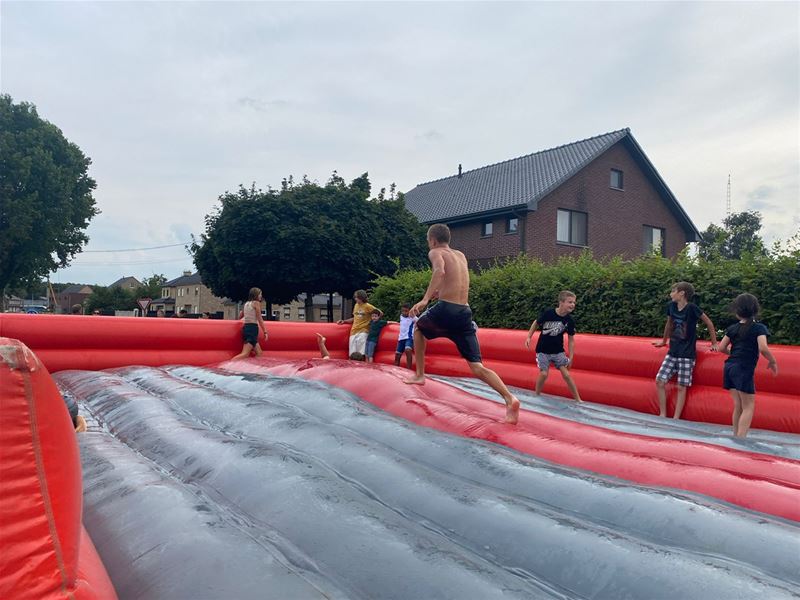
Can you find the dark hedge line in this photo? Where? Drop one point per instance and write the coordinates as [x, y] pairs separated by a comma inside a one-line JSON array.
[[619, 297]]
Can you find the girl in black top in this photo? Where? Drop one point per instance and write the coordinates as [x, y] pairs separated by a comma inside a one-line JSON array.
[[744, 341]]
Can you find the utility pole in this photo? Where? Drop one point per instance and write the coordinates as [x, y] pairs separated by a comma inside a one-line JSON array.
[[728, 199]]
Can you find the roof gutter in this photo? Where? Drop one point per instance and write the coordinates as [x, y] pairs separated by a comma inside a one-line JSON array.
[[479, 216]]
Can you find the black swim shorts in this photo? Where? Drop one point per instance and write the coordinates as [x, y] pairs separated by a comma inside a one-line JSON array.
[[453, 321], [738, 377], [250, 333]]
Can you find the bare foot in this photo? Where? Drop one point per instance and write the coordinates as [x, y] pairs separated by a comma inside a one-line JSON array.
[[416, 380], [512, 411]]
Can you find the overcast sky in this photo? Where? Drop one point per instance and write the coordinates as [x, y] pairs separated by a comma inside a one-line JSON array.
[[177, 102]]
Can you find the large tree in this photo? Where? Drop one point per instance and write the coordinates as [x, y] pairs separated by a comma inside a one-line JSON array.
[[305, 238], [46, 198], [739, 235], [151, 287]]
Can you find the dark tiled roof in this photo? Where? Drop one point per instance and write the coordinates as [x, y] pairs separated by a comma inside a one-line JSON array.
[[512, 183], [75, 288], [193, 279], [124, 280]]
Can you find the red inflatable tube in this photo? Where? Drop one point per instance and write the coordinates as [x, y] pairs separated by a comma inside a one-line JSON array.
[[757, 481], [613, 370], [45, 553]]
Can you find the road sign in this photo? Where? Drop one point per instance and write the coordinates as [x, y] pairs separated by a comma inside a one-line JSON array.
[[143, 304]]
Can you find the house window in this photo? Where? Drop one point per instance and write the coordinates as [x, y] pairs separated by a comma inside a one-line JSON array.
[[486, 229], [287, 313], [323, 314], [512, 225], [196, 291], [572, 227], [616, 179], [654, 240], [301, 314]]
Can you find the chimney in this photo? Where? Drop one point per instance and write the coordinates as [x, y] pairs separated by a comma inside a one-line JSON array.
[[459, 170], [187, 273]]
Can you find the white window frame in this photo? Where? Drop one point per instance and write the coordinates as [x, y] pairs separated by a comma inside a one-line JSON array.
[[487, 229]]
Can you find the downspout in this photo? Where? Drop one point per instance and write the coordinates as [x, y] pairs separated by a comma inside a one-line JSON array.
[[522, 224]]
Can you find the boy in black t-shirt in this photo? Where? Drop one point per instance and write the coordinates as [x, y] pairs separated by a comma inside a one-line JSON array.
[[680, 331], [554, 322]]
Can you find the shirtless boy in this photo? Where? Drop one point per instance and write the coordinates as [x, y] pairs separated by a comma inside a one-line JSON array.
[[451, 317]]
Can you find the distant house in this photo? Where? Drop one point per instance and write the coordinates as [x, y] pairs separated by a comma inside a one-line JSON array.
[[601, 193], [188, 293], [128, 283], [71, 295]]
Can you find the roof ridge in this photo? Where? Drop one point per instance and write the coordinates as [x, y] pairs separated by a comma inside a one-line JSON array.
[[627, 130]]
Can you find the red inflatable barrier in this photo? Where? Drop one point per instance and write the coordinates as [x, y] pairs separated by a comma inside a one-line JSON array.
[[614, 370], [45, 552]]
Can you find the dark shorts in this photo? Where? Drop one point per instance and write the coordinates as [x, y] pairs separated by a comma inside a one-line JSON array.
[[250, 333], [403, 345], [453, 321], [738, 377]]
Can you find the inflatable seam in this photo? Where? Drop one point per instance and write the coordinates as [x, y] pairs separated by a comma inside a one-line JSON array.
[[40, 475]]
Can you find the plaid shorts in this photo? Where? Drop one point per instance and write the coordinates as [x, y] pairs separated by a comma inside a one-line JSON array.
[[543, 360], [671, 365]]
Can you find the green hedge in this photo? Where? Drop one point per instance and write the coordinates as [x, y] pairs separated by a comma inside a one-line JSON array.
[[620, 297]]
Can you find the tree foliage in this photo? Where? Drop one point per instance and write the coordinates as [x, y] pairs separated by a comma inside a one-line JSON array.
[[305, 238], [46, 198], [109, 299], [151, 287], [738, 236]]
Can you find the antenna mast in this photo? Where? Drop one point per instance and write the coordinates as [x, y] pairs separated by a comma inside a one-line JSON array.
[[728, 198]]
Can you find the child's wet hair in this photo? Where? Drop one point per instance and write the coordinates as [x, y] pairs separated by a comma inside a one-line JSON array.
[[254, 293], [685, 287], [358, 356], [376, 311], [564, 294], [745, 306]]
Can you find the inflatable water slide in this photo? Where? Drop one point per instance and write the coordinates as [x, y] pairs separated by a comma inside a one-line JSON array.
[[289, 476]]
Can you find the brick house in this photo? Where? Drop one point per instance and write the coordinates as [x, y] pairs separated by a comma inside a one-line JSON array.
[[601, 193], [187, 292], [72, 294]]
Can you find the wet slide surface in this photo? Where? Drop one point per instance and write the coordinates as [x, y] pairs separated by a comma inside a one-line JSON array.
[[207, 483]]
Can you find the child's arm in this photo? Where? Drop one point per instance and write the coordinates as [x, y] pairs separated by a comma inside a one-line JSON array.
[[531, 331], [724, 345], [257, 306], [571, 346], [772, 365], [345, 321], [667, 332], [711, 329]]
